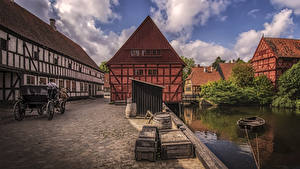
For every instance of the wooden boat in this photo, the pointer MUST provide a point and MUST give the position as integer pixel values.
(251, 123)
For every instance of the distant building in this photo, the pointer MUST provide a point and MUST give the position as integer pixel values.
(201, 75)
(274, 56)
(33, 52)
(146, 56)
(106, 86)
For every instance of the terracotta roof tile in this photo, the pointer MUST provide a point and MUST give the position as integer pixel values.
(199, 77)
(226, 69)
(284, 47)
(24, 23)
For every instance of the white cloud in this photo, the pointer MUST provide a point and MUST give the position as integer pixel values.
(179, 17)
(293, 4)
(252, 12)
(204, 53)
(79, 25)
(77, 18)
(39, 8)
(281, 25)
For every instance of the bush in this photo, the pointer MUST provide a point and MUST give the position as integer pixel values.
(289, 82)
(283, 102)
(243, 74)
(264, 89)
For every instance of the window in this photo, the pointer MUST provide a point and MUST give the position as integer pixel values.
(30, 80)
(68, 84)
(188, 89)
(81, 87)
(3, 44)
(70, 65)
(139, 72)
(52, 80)
(152, 72)
(61, 84)
(73, 86)
(43, 80)
(135, 52)
(56, 61)
(85, 87)
(36, 55)
(79, 68)
(148, 52)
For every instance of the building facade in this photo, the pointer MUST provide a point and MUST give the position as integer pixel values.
(201, 75)
(33, 52)
(146, 56)
(274, 56)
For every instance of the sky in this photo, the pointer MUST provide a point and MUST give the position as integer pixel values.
(199, 29)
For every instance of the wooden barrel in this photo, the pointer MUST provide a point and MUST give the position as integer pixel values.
(162, 121)
(130, 110)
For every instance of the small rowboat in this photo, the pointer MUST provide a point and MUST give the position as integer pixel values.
(251, 123)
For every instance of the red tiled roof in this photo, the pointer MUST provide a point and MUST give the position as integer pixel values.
(226, 69)
(24, 23)
(284, 47)
(199, 77)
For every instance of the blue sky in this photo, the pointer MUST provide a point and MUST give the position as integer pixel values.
(201, 29)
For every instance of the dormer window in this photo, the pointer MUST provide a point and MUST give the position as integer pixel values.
(135, 52)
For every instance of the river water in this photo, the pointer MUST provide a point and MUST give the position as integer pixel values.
(278, 143)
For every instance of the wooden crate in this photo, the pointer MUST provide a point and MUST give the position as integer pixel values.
(174, 145)
(146, 144)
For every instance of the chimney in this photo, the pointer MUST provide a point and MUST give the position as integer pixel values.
(52, 23)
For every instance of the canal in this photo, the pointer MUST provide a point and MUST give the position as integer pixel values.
(278, 143)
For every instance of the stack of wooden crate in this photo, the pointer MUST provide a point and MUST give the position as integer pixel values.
(174, 144)
(147, 144)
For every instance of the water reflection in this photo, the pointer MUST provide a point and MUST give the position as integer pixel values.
(278, 143)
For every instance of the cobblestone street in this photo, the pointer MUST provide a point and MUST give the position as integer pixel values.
(91, 134)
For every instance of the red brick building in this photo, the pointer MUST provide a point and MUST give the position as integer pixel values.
(274, 56)
(147, 56)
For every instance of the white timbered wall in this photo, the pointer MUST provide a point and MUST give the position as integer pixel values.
(23, 59)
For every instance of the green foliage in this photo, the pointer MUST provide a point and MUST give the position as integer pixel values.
(289, 82)
(283, 102)
(264, 89)
(190, 62)
(228, 93)
(288, 95)
(103, 67)
(243, 74)
(217, 61)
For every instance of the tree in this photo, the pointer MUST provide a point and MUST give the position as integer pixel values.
(103, 67)
(243, 74)
(289, 82)
(190, 62)
(217, 61)
(264, 89)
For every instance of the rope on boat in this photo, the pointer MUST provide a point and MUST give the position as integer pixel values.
(252, 152)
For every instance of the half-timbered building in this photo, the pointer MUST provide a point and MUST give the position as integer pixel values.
(274, 56)
(34, 52)
(146, 56)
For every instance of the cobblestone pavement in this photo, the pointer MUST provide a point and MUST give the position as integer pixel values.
(91, 134)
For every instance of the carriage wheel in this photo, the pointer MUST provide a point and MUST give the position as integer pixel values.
(50, 110)
(19, 112)
(41, 110)
(62, 107)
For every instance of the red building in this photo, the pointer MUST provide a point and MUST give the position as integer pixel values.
(274, 56)
(147, 56)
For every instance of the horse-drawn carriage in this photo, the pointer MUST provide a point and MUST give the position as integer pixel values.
(45, 99)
